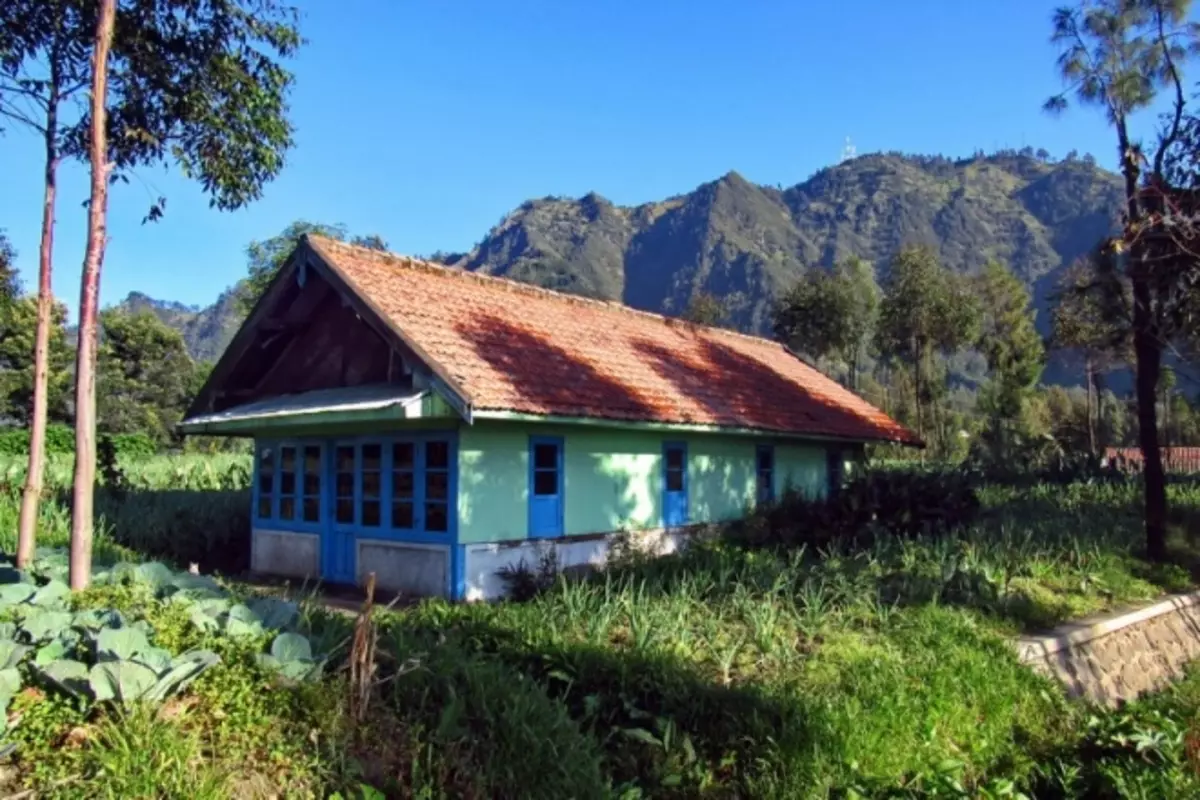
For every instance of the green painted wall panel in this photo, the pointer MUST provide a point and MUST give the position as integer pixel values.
(802, 468)
(493, 470)
(721, 477)
(613, 479)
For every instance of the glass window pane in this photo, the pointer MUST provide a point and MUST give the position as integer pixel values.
(435, 517)
(287, 458)
(266, 459)
(312, 484)
(370, 513)
(345, 511)
(266, 482)
(437, 455)
(345, 485)
(674, 480)
(402, 484)
(545, 456)
(345, 459)
(312, 460)
(287, 483)
(312, 509)
(287, 508)
(370, 484)
(371, 456)
(264, 507)
(402, 515)
(437, 485)
(545, 482)
(765, 459)
(675, 458)
(402, 455)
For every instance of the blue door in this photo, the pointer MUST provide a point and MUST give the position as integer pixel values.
(545, 486)
(675, 495)
(338, 551)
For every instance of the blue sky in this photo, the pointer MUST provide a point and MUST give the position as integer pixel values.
(427, 121)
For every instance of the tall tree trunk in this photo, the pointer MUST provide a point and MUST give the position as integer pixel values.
(32, 494)
(89, 295)
(1089, 368)
(1149, 362)
(1148, 355)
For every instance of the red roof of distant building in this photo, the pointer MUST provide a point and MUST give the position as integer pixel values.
(1175, 459)
(514, 347)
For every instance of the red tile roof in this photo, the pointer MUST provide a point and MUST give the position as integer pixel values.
(1175, 459)
(514, 347)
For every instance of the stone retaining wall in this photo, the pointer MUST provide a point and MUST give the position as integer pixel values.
(1119, 656)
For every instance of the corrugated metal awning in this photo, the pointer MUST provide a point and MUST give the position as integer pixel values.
(367, 401)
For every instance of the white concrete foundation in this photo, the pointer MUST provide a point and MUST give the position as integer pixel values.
(287, 553)
(483, 562)
(418, 570)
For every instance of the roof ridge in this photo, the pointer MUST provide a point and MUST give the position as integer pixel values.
(411, 262)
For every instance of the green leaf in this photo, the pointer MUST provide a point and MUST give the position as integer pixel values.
(291, 647)
(642, 735)
(11, 653)
(185, 669)
(67, 675)
(155, 658)
(94, 619)
(120, 680)
(120, 644)
(153, 573)
(53, 593)
(10, 681)
(50, 652)
(41, 625)
(242, 621)
(13, 593)
(273, 612)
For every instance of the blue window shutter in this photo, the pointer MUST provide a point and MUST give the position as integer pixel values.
(546, 486)
(675, 484)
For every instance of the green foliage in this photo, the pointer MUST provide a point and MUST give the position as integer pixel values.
(926, 310)
(831, 315)
(18, 320)
(265, 258)
(870, 506)
(705, 309)
(145, 376)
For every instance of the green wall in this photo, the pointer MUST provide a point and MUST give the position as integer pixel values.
(802, 468)
(613, 478)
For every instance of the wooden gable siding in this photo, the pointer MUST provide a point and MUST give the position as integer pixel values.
(311, 340)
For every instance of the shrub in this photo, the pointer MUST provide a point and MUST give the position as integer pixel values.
(904, 504)
(499, 731)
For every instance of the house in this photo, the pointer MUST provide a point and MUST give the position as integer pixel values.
(434, 425)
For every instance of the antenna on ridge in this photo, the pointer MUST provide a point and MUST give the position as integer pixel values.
(849, 151)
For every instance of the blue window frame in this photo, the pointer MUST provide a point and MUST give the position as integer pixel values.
(675, 484)
(765, 471)
(287, 484)
(546, 486)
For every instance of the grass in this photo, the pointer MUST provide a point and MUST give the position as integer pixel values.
(877, 671)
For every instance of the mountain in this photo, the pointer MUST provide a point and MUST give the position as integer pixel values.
(747, 243)
(206, 331)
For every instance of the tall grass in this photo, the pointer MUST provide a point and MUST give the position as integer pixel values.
(183, 508)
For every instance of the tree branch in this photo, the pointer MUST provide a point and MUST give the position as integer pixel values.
(1165, 142)
(12, 112)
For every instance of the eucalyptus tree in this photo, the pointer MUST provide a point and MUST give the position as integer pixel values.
(197, 83)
